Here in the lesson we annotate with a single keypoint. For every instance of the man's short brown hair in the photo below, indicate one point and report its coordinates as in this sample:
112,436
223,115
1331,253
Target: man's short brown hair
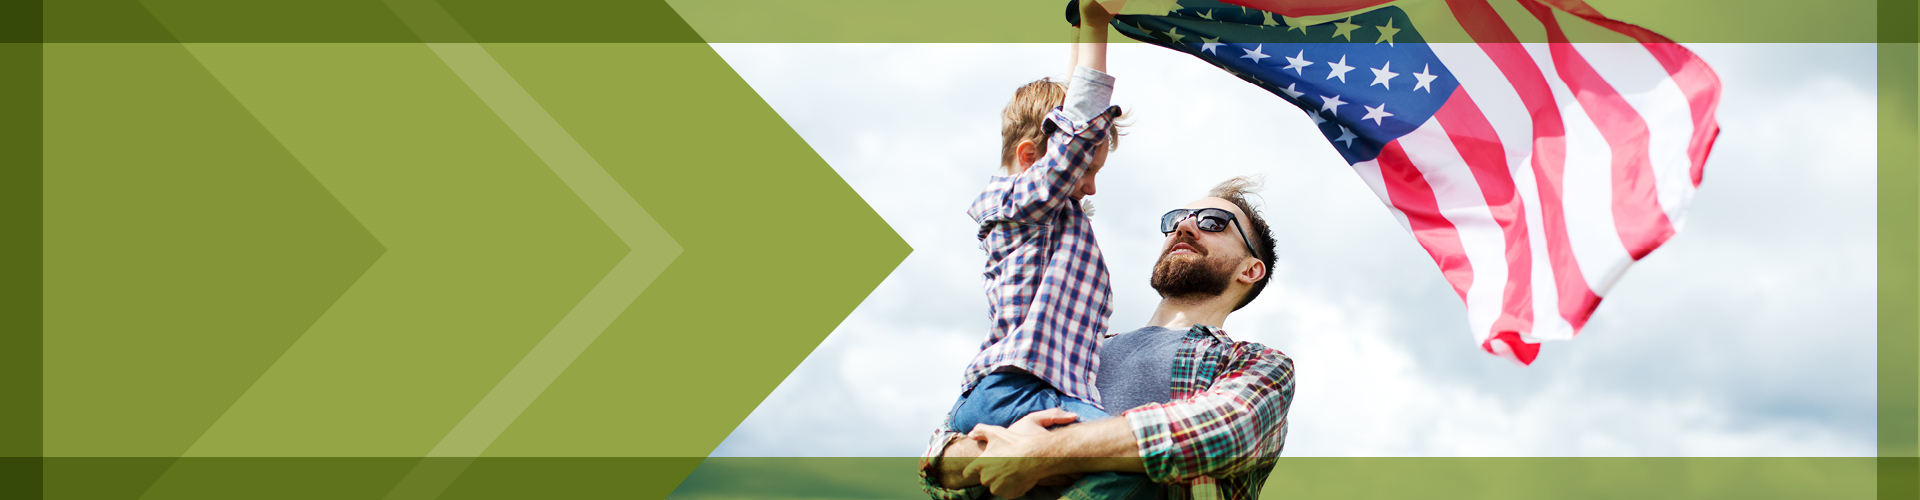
1025,118
1235,191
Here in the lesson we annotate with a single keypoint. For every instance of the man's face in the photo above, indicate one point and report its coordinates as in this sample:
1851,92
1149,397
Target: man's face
1198,264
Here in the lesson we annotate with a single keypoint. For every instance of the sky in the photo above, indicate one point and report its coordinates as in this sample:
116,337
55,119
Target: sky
1750,333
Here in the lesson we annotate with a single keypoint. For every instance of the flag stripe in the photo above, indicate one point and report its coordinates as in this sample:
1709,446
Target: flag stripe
1479,146
1695,78
1548,147
1459,198
1586,189
1407,190
1637,217
1500,105
1304,8
1646,86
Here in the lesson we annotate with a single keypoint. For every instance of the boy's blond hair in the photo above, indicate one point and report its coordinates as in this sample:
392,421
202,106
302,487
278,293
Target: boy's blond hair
1026,115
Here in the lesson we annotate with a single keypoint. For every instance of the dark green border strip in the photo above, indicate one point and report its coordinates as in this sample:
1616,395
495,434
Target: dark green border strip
20,251
805,21
1898,352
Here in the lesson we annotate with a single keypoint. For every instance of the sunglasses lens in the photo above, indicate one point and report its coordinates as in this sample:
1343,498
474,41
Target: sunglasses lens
1172,220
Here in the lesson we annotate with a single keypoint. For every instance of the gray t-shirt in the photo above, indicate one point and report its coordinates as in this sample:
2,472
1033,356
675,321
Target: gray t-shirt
1136,368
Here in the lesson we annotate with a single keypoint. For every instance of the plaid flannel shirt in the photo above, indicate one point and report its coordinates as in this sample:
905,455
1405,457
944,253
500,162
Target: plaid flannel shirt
1046,281
1218,438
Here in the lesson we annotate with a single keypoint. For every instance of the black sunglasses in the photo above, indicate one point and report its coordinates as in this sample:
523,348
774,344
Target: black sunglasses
1212,220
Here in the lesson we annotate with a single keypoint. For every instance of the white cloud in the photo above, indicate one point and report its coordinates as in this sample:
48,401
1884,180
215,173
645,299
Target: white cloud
1750,333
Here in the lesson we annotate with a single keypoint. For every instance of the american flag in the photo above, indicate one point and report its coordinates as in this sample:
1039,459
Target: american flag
1534,170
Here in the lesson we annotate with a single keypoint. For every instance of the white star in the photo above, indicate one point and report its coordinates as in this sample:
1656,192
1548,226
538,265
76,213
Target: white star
1383,75
1297,63
1426,80
1387,32
1316,118
1291,92
1346,135
1340,69
1267,19
1174,36
1331,104
1209,44
1376,114
1295,24
1209,16
1255,54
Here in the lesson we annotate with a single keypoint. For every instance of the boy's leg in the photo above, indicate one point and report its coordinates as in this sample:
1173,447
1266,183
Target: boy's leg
1001,399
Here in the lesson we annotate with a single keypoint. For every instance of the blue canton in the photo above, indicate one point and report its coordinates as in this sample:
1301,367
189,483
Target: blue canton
1365,80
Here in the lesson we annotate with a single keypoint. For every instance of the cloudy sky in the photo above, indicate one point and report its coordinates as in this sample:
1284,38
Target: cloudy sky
1751,333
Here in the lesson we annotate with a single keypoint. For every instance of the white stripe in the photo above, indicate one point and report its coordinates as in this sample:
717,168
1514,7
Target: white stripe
1645,84
1501,105
1586,186
1370,173
1458,195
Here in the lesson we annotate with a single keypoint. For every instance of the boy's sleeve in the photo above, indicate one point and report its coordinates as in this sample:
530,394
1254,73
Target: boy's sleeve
1237,425
1073,131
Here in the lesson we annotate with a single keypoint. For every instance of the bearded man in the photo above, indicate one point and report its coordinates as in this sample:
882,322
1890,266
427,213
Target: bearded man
1204,416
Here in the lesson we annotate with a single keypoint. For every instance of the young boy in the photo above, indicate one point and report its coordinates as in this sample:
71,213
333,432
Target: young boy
1046,281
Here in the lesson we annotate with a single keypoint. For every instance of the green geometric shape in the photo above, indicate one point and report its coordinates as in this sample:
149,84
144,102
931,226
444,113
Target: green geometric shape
778,250
514,478
1897,385
101,21
185,250
512,21
99,478
227,21
487,250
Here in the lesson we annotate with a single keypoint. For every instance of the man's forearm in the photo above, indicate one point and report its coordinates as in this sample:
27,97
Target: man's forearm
953,463
1101,446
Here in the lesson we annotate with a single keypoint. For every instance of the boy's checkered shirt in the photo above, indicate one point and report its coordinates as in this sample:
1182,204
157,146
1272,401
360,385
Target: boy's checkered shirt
1046,281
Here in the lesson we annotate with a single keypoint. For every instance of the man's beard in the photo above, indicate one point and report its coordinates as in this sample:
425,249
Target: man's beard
1189,276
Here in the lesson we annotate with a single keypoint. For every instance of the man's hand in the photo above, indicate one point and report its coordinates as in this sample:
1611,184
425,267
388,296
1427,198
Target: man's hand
1016,457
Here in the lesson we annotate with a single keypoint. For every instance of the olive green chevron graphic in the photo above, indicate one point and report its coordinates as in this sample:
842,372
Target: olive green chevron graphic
413,250
185,250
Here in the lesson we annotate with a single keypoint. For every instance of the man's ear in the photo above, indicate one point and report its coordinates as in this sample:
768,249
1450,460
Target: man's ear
1026,153
1253,272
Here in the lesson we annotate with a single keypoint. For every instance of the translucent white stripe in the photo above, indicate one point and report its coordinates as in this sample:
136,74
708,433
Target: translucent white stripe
1645,84
1586,186
1458,195
1370,173
1501,105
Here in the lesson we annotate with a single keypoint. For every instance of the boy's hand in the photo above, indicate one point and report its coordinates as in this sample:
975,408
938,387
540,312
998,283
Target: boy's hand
1092,13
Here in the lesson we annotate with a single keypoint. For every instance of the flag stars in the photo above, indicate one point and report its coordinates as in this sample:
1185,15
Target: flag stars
1331,104
1208,44
1376,114
1298,63
1426,80
1339,70
1291,92
1173,35
1345,28
1345,136
1208,15
1267,19
1295,24
1387,32
1256,55
1383,76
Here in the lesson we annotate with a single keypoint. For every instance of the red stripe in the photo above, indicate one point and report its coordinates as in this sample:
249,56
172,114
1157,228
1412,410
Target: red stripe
1480,146
1407,190
1304,8
1522,350
1637,216
1695,79
1576,299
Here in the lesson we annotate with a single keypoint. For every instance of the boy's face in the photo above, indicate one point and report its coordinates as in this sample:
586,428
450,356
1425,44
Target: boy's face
1086,186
